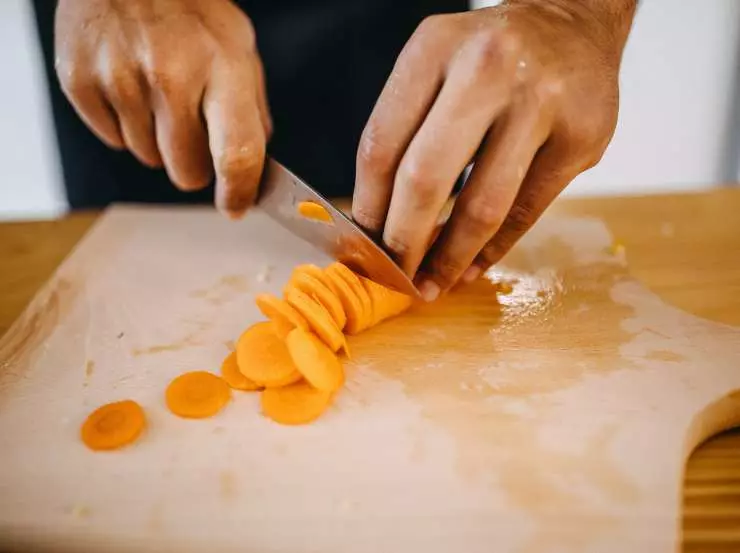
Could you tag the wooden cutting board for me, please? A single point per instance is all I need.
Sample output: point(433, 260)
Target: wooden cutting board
point(556, 418)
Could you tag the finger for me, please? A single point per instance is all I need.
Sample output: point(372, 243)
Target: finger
point(235, 135)
point(262, 103)
point(182, 139)
point(124, 89)
point(472, 97)
point(486, 198)
point(547, 177)
point(88, 101)
point(401, 107)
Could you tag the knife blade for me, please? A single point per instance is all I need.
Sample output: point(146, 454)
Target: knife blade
point(281, 193)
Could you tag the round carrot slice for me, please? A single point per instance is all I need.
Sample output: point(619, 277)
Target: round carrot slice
point(315, 212)
point(298, 403)
point(233, 376)
point(263, 357)
point(285, 317)
point(322, 294)
point(365, 315)
point(319, 319)
point(113, 425)
point(318, 364)
point(197, 395)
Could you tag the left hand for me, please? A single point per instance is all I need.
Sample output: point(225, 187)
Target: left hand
point(528, 90)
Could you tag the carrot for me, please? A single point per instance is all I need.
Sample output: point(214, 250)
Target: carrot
point(319, 319)
point(315, 212)
point(263, 357)
point(386, 303)
point(362, 321)
point(318, 364)
point(320, 292)
point(285, 317)
point(298, 403)
point(113, 425)
point(234, 378)
point(197, 395)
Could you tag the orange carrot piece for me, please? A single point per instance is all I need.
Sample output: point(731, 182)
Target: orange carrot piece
point(113, 425)
point(263, 357)
point(319, 319)
point(285, 317)
point(318, 364)
point(233, 376)
point(298, 403)
point(341, 271)
point(386, 303)
point(350, 303)
point(320, 292)
point(197, 395)
point(315, 212)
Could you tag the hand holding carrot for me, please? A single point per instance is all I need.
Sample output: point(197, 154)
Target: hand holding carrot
point(527, 90)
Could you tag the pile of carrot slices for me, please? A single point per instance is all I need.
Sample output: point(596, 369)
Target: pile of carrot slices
point(293, 357)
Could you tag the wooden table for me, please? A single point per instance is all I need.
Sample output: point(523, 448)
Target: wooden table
point(686, 248)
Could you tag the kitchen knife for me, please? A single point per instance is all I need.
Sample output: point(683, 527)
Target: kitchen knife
point(281, 193)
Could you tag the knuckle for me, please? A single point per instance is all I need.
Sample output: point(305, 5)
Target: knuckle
point(397, 244)
point(373, 155)
point(520, 219)
point(367, 219)
point(484, 214)
point(447, 269)
point(72, 79)
point(420, 182)
point(235, 165)
point(496, 48)
point(431, 25)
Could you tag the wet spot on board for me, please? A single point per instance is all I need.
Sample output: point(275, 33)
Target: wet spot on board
point(228, 485)
point(664, 355)
point(224, 290)
point(188, 341)
point(89, 368)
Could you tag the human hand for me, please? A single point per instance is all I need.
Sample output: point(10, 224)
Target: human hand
point(178, 83)
point(527, 90)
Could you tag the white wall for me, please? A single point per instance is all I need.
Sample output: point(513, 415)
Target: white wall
point(679, 82)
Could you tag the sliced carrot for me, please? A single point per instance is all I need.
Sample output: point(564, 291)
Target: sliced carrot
point(386, 303)
point(315, 212)
point(350, 302)
point(113, 425)
point(319, 319)
point(197, 395)
point(233, 376)
point(318, 364)
point(285, 317)
point(263, 357)
point(319, 291)
point(359, 324)
point(298, 403)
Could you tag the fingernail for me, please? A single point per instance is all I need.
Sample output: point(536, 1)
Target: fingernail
point(429, 290)
point(471, 274)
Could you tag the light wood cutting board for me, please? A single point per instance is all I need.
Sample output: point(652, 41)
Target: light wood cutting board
point(554, 419)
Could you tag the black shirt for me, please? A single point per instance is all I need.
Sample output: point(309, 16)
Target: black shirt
point(325, 61)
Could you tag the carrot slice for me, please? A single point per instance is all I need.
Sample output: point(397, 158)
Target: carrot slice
point(315, 212)
point(318, 364)
point(197, 395)
point(285, 317)
point(320, 292)
point(386, 303)
point(113, 425)
point(233, 376)
point(319, 319)
point(350, 303)
point(298, 403)
point(359, 324)
point(263, 357)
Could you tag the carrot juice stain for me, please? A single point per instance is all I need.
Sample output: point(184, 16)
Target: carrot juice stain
point(487, 349)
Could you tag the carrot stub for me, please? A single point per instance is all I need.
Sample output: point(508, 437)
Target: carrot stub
point(298, 403)
point(285, 317)
point(233, 376)
point(197, 395)
point(319, 319)
point(318, 364)
point(113, 425)
point(319, 291)
point(386, 303)
point(263, 357)
point(315, 212)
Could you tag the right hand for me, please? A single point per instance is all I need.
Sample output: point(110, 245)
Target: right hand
point(178, 83)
